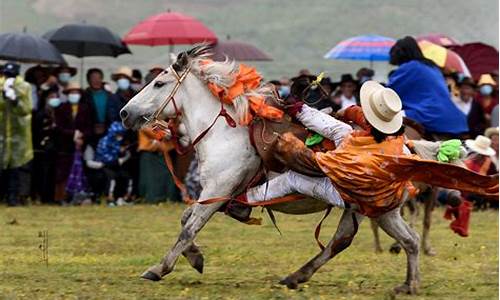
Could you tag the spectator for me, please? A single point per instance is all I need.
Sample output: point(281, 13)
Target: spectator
point(364, 74)
point(104, 108)
point(487, 86)
point(45, 146)
point(136, 80)
point(64, 74)
point(124, 91)
point(494, 117)
point(73, 120)
point(348, 88)
point(479, 159)
point(423, 91)
point(16, 149)
point(119, 183)
point(155, 181)
point(36, 76)
point(470, 107)
point(492, 134)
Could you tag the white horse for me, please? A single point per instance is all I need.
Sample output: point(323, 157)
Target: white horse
point(228, 161)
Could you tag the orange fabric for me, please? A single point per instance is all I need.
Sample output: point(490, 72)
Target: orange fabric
point(149, 143)
point(245, 80)
point(374, 175)
point(355, 114)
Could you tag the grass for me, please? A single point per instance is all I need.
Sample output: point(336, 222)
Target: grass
point(99, 252)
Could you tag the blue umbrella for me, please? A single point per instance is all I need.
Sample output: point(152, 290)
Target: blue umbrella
point(364, 47)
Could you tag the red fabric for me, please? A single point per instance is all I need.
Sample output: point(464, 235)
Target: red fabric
point(355, 115)
point(169, 28)
point(461, 214)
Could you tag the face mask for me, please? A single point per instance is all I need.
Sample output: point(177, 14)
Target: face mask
point(284, 91)
point(64, 77)
point(74, 98)
point(123, 83)
point(486, 90)
point(54, 102)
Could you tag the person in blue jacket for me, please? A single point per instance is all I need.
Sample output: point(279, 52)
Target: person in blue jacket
point(423, 91)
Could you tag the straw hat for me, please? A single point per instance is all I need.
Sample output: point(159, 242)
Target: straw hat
point(381, 107)
point(480, 145)
point(72, 86)
point(491, 131)
point(125, 71)
point(486, 79)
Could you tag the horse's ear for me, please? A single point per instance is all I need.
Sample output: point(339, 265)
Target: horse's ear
point(181, 62)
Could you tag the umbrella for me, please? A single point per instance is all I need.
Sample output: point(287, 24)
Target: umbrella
point(364, 47)
point(238, 51)
point(438, 39)
point(444, 58)
point(25, 47)
point(479, 57)
point(169, 28)
point(83, 40)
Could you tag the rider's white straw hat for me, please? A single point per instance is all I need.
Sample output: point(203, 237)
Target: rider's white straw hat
point(381, 107)
point(480, 145)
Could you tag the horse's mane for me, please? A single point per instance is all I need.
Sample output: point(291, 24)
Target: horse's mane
point(219, 73)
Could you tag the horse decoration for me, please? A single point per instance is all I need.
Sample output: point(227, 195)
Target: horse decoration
point(228, 162)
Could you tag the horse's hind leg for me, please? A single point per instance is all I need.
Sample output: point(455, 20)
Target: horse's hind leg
point(192, 253)
point(347, 229)
point(198, 218)
point(429, 207)
point(394, 225)
point(376, 237)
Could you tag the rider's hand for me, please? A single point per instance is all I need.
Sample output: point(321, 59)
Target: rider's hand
point(294, 109)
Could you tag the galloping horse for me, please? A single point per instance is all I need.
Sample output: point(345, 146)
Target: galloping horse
point(228, 161)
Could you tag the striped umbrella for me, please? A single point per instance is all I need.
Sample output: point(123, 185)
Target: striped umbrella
point(365, 47)
point(444, 58)
point(438, 39)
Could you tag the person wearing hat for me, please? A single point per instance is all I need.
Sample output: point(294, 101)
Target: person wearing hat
point(123, 79)
point(16, 150)
point(488, 94)
point(347, 86)
point(423, 91)
point(369, 167)
point(152, 73)
point(74, 126)
point(469, 106)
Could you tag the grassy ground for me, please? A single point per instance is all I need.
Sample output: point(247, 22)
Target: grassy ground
point(99, 252)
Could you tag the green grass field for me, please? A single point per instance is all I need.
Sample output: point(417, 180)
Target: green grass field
point(99, 253)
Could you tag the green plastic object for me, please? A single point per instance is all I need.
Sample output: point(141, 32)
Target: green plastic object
point(449, 150)
point(314, 140)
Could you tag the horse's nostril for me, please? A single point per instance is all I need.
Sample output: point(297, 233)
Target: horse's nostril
point(123, 114)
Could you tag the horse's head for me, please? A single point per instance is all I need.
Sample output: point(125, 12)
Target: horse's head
point(163, 97)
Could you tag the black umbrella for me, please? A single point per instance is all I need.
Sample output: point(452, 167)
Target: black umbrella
point(83, 40)
point(25, 47)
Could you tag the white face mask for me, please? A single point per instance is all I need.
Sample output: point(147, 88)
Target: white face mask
point(64, 77)
point(74, 98)
point(123, 83)
point(54, 102)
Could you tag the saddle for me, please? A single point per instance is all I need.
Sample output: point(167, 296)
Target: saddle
point(281, 147)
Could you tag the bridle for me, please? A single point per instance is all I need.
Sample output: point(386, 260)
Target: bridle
point(161, 126)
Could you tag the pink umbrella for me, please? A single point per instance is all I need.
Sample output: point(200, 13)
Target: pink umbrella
point(169, 28)
point(238, 51)
point(438, 39)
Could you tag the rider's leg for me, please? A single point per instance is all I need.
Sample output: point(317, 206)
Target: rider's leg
point(293, 182)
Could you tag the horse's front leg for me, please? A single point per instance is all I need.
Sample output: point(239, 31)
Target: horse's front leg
point(192, 253)
point(198, 218)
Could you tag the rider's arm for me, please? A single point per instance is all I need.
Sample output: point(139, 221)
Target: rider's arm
point(324, 124)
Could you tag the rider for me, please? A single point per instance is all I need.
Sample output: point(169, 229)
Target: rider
point(369, 168)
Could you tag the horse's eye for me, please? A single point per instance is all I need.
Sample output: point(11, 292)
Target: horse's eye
point(159, 84)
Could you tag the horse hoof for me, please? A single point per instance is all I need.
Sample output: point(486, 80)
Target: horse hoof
point(291, 284)
point(430, 251)
point(405, 289)
point(150, 276)
point(379, 250)
point(198, 265)
point(395, 249)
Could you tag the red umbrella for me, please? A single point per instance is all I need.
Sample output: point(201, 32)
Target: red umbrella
point(438, 39)
point(169, 28)
point(479, 57)
point(238, 51)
